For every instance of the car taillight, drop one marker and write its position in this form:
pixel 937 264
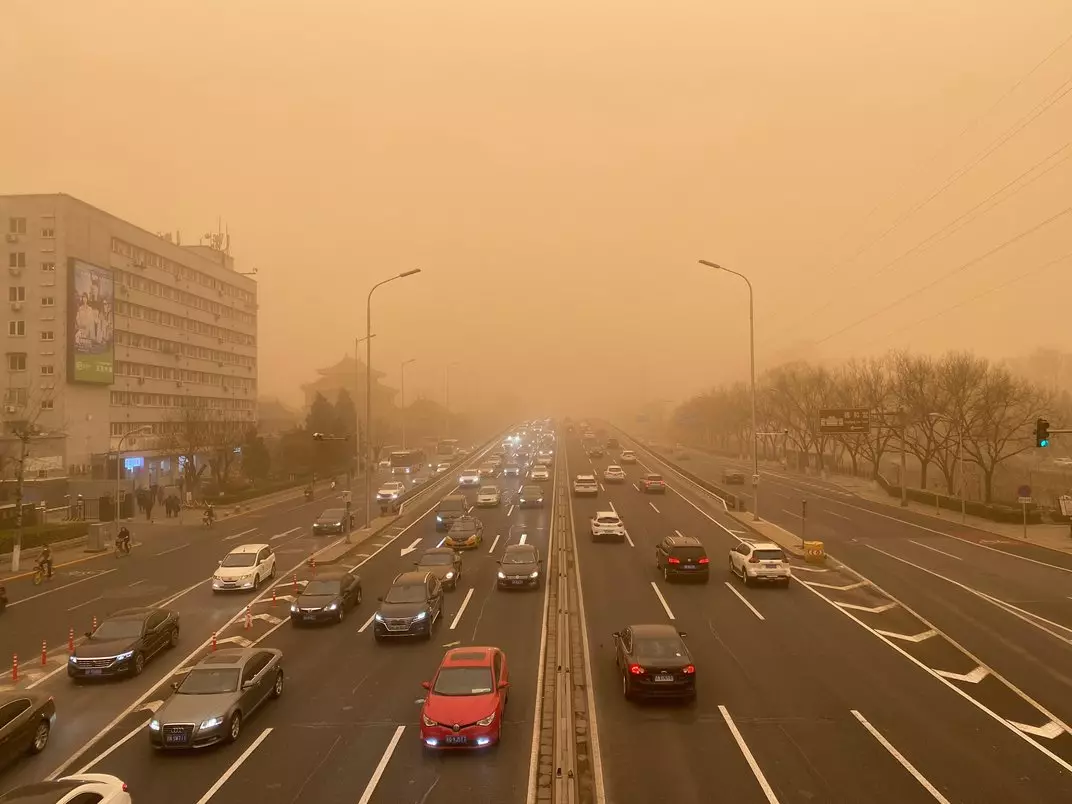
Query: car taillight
pixel 753 560
pixel 125 788
pixel 689 669
pixel 672 560
pixel 705 560
pixel 636 670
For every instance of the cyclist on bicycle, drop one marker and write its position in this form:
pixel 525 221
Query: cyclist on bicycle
pixel 122 540
pixel 44 561
pixel 210 514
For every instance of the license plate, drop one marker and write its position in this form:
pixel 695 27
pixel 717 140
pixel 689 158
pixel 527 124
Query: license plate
pixel 517 583
pixel 690 566
pixel 455 739
pixel 94 672
pixel 175 738
pixel 664 677
pixel 310 616
pixel 770 566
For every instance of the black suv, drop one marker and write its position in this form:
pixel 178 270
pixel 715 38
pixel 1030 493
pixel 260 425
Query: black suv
pixel 450 508
pixel 411 607
pixel 682 557
pixel 123 643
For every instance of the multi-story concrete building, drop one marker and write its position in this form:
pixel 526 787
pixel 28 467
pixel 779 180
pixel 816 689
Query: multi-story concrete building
pixel 118 344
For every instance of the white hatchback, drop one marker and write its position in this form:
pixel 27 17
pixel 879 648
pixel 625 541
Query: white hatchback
pixel 540 473
pixel 760 561
pixel 614 474
pixel 245 568
pixel 607 524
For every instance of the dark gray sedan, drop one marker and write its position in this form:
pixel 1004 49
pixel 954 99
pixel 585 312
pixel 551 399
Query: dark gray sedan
pixel 212 702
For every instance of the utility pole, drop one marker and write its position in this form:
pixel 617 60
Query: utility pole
pixel 23 434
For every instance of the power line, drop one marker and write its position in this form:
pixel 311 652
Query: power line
pixel 962 267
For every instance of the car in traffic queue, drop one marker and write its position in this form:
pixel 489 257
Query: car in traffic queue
pixel 682 557
pixel 469 478
pixel 760 562
pixel 654 662
pixel 627 457
pixel 607 526
pixel 511 469
pixel 731 477
pixel 326 598
pixel 123 643
pixel 216 697
pixel 444 563
pixel 596 451
pixel 465 532
pixel 488 470
pixel 540 474
pixel 519 567
pixel 545 457
pixel 466 699
pixel 411 607
pixel 244 569
pixel 612 443
pixel 488 497
pixel 26 720
pixel 84 788
pixel 333 520
pixel 390 491
pixel 450 508
pixel 652 483
pixel 440 468
pixel 530 496
pixel 613 474
pixel 585 486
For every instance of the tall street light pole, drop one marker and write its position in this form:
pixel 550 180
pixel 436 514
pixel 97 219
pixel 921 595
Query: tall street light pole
pixel 357 410
pixel 752 357
pixel 402 370
pixel 960 461
pixel 368 387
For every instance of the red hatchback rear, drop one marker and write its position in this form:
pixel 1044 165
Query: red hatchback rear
pixel 652 484
pixel 466 699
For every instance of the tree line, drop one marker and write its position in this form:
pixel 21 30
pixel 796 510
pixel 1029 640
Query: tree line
pixel 937 398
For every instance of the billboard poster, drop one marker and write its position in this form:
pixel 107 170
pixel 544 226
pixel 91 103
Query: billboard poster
pixel 91 312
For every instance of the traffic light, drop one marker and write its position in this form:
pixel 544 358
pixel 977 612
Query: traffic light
pixel 1042 433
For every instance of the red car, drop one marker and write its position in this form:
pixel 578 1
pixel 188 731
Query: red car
pixel 466 699
pixel 652 484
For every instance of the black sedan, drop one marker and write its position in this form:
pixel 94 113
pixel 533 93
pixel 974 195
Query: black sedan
pixel 530 497
pixel 519 568
pixel 26 720
pixel 326 598
pixel 654 662
pixel 123 643
pixel 444 563
pixel 333 520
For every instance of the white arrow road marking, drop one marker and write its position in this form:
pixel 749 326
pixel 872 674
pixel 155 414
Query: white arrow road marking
pixel 412 546
pixel 237 640
pixel 494 542
pixel 856 585
pixel 870 609
pixel 1049 731
pixel 974 677
pixel 268 618
pixel 461 611
pixel 239 535
pixel 908 637
pixel 284 533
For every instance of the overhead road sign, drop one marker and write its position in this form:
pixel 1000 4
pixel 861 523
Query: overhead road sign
pixel 838 421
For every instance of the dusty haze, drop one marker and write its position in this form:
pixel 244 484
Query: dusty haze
pixel 556 169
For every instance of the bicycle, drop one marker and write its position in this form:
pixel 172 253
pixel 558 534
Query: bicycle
pixel 39 575
pixel 121 548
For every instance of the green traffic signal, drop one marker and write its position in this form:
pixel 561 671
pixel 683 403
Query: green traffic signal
pixel 1042 433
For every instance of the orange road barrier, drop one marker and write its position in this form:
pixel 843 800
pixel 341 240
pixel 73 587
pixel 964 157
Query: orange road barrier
pixel 814 552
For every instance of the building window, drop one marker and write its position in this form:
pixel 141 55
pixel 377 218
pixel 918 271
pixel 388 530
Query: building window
pixel 48 232
pixel 48 335
pixel 47 404
pixel 16 294
pixel 48 266
pixel 16 225
pixel 15 396
pixel 16 259
pixel 48 301
pixel 16 328
pixel 47 369
pixel 16 361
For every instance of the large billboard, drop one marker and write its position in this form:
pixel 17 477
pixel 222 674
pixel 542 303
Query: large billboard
pixel 91 323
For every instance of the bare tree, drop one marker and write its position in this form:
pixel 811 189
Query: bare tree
pixel 796 393
pixel 190 434
pixel 920 393
pixel 226 435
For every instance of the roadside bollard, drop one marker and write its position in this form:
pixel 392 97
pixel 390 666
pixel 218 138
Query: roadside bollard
pixel 213 640
pixel 295 579
pixel 70 641
pixel 312 566
pixel 94 628
pixel 44 652
pixel 249 618
pixel 273 597
pixel 15 668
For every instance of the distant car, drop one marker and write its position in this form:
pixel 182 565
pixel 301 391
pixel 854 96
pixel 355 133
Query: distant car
pixel 333 520
pixel 613 474
pixel 539 473
pixel 519 567
pixel 390 491
pixel 26 719
pixel 511 469
pixel 384 463
pixel 411 607
pixel 654 662
pixel 488 470
pixel 530 497
pixel 444 563
pixel 465 532
pixel 326 598
pixel 98 788
pixel 488 497
pixel 596 451
pixel 496 460
pixel 441 468
pixel 450 508
pixel 612 443
pixel 545 457
pixel 215 697
pixel 682 557
pixel 627 456
pixel 465 700
pixel 123 643
pixel 244 569
pixel 652 484
pixel 760 562
pixel 585 485
pixel 470 477
pixel 607 525
pixel 731 477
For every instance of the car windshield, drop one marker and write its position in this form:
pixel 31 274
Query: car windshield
pixel 531 491
pixel 437 559
pixel 608 520
pixel 659 648
pixel 239 560
pixel 519 557
pixel 463 681
pixel 389 487
pixel 452 505
pixel 689 553
pixel 334 514
pixel 324 586
pixel 586 480
pixel 613 469
pixel 655 478
pixel 489 490
pixel 205 681
pixel 406 593
pixel 769 555
pixel 118 629
pixel 462 526
pixel 471 472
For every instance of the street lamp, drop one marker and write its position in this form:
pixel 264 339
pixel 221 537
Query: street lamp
pixel 357 414
pixel 446 398
pixel 960 460
pixel 119 462
pixel 752 353
pixel 402 370
pixel 368 386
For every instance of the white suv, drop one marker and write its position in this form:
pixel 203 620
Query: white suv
pixel 585 484
pixel 470 477
pixel 607 524
pixel 244 568
pixel 760 561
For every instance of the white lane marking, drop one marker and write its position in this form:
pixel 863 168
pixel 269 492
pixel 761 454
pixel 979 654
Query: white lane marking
pixel 370 788
pixel 787 512
pixel 679 534
pixel 844 588
pixel 46 676
pixel 441 541
pixel 511 511
pixel 494 542
pixel 974 677
pixel 173 549
pixel 751 760
pixel 919 777
pixel 666 606
pixel 412 546
pixel 615 510
pixel 227 774
pixel 284 533
pixel 744 600
pixel 908 637
pixel 86 603
pixel 143 580
pixel 853 606
pixel 1049 731
pixel 935 549
pixel 629 539
pixel 368 622
pixel 55 589
pixel 239 535
pixel 524 536
pixel 169 600
pixel 653 508
pixel 839 516
pixel 601 487
pixel 636 487
pixel 461 610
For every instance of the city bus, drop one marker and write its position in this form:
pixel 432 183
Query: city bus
pixel 407 462
pixel 447 450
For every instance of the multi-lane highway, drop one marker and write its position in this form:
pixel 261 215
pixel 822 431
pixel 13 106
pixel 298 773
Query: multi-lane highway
pixel 805 693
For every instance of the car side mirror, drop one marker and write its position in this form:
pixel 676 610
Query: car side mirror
pixel 539 561
pixel 416 563
pixel 248 683
pixel 219 563
pixel 616 634
pixel 427 685
pixel 682 634
pixel 175 685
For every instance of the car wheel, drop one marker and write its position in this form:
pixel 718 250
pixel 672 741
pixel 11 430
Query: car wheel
pixel 744 578
pixel 256 582
pixel 277 688
pixel 340 615
pixel 173 639
pixel 357 600
pixel 40 739
pixel 732 570
pixel 234 728
pixel 666 574
pixel 138 664
pixel 271 575
pixel 627 690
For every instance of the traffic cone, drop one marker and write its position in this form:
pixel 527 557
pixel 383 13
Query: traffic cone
pixel 44 652
pixel 70 641
pixel 15 668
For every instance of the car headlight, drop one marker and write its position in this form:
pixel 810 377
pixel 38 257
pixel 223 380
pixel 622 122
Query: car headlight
pixel 211 723
pixel 294 608
pixel 502 574
pixel 449 575
pixel 72 660
pixel 486 721
pixel 428 721
pixel 379 617
pixel 333 606
pixel 421 616
pixel 536 574
pixel 522 500
pixel 122 657
pixel 154 725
